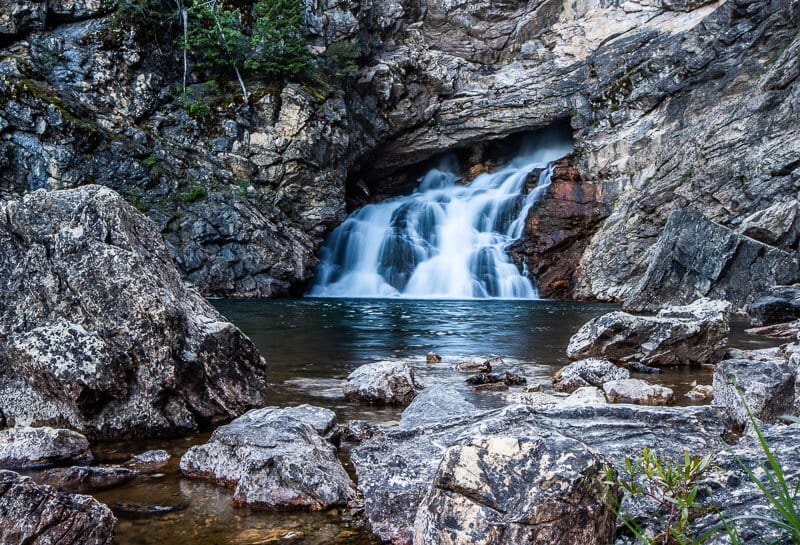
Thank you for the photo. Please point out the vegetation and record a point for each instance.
(192, 194)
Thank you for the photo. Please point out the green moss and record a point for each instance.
(192, 194)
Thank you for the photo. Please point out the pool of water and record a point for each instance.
(311, 345)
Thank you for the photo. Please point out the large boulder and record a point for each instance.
(507, 489)
(390, 382)
(100, 334)
(31, 514)
(695, 257)
(767, 387)
(683, 335)
(276, 459)
(588, 372)
(22, 447)
(778, 305)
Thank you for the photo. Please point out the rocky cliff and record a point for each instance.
(673, 103)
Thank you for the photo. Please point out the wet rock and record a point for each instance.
(695, 257)
(435, 403)
(786, 330)
(683, 335)
(768, 388)
(639, 367)
(433, 357)
(101, 268)
(506, 377)
(638, 392)
(150, 458)
(85, 479)
(276, 459)
(382, 382)
(586, 395)
(137, 510)
(780, 304)
(507, 489)
(474, 365)
(700, 392)
(588, 372)
(358, 430)
(35, 447)
(40, 515)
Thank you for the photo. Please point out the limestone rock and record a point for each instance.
(588, 372)
(681, 335)
(276, 459)
(638, 392)
(22, 447)
(507, 489)
(768, 388)
(110, 342)
(382, 382)
(780, 304)
(40, 515)
(435, 403)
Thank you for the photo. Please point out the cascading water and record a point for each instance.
(446, 240)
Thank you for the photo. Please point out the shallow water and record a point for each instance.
(310, 346)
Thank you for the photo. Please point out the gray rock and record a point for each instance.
(638, 392)
(588, 372)
(695, 257)
(358, 430)
(474, 365)
(700, 392)
(683, 335)
(86, 479)
(150, 459)
(22, 447)
(777, 225)
(507, 489)
(382, 382)
(768, 388)
(586, 395)
(111, 342)
(780, 304)
(276, 459)
(507, 378)
(39, 515)
(434, 403)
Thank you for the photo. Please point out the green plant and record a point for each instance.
(279, 47)
(341, 59)
(192, 194)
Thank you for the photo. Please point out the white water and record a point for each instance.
(446, 240)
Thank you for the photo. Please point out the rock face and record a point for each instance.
(40, 515)
(683, 335)
(588, 372)
(35, 447)
(780, 304)
(382, 382)
(276, 459)
(100, 334)
(506, 490)
(638, 392)
(768, 388)
(695, 258)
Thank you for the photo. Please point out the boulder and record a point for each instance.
(110, 343)
(588, 372)
(780, 304)
(638, 392)
(40, 515)
(683, 335)
(509, 489)
(507, 378)
(586, 395)
(389, 382)
(275, 459)
(435, 403)
(87, 479)
(777, 225)
(768, 388)
(22, 447)
(695, 257)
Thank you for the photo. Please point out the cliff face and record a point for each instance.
(673, 104)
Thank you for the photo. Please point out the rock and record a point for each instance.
(474, 365)
(150, 458)
(395, 467)
(22, 447)
(638, 367)
(700, 392)
(588, 372)
(276, 459)
(777, 225)
(435, 403)
(112, 343)
(137, 510)
(786, 330)
(39, 515)
(768, 388)
(695, 258)
(506, 377)
(382, 382)
(638, 392)
(433, 357)
(684, 335)
(586, 395)
(780, 304)
(85, 479)
(358, 430)
(507, 489)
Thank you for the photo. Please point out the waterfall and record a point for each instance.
(445, 240)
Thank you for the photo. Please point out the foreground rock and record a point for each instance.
(684, 335)
(588, 372)
(638, 392)
(768, 388)
(779, 305)
(433, 404)
(85, 479)
(382, 382)
(396, 467)
(506, 489)
(33, 514)
(276, 459)
(695, 257)
(22, 447)
(110, 343)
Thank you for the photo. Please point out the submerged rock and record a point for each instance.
(768, 389)
(588, 372)
(276, 459)
(638, 392)
(507, 489)
(691, 334)
(435, 403)
(382, 382)
(110, 342)
(39, 515)
(87, 479)
(506, 378)
(22, 447)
